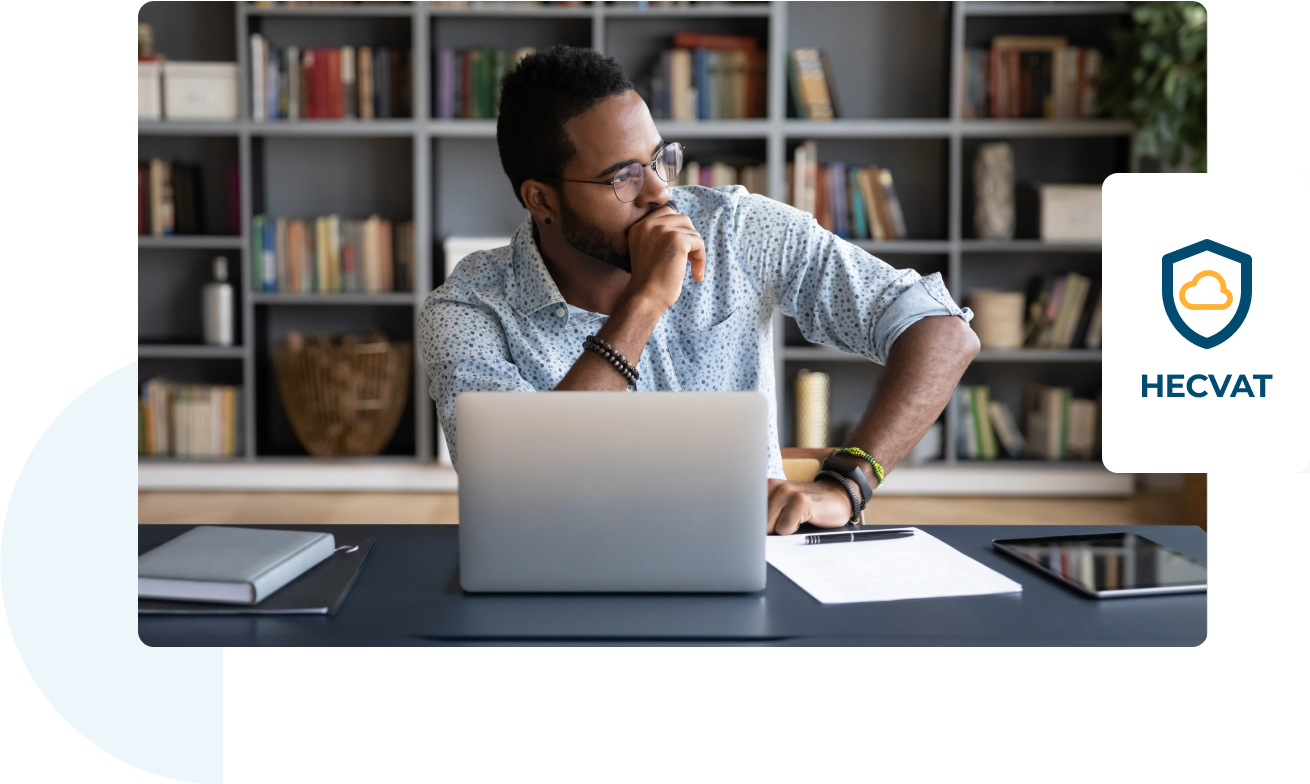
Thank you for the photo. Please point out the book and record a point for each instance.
(161, 197)
(1047, 421)
(894, 213)
(968, 436)
(814, 100)
(228, 564)
(189, 420)
(1007, 431)
(1029, 76)
(321, 590)
(980, 416)
(282, 255)
(258, 79)
(268, 248)
(1082, 427)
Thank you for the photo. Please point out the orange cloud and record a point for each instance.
(1223, 289)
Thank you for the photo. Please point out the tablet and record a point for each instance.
(1105, 566)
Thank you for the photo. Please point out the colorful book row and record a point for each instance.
(328, 255)
(188, 420)
(328, 82)
(850, 201)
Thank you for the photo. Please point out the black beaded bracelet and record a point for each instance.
(620, 362)
(601, 343)
(615, 359)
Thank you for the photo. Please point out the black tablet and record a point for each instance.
(1108, 565)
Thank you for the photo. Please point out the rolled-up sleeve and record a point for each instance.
(840, 295)
(464, 350)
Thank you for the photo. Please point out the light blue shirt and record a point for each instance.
(499, 323)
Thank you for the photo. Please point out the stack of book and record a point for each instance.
(809, 82)
(709, 77)
(987, 426)
(1030, 76)
(850, 201)
(466, 82)
(188, 420)
(328, 255)
(1062, 313)
(1058, 426)
(328, 82)
(169, 198)
(754, 178)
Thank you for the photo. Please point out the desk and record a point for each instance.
(408, 594)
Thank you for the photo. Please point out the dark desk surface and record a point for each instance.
(408, 594)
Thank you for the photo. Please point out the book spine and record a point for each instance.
(257, 253)
(349, 93)
(269, 262)
(293, 82)
(284, 281)
(386, 271)
(257, 77)
(365, 82)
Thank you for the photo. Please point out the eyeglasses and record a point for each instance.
(629, 181)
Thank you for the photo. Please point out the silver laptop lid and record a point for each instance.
(605, 491)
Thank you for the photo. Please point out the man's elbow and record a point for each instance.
(965, 340)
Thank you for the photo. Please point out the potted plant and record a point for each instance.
(1157, 79)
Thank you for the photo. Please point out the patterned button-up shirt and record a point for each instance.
(499, 323)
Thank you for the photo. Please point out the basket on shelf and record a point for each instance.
(344, 396)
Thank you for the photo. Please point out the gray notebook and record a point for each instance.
(228, 565)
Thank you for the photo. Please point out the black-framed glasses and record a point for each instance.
(629, 180)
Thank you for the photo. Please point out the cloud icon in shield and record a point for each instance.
(1206, 291)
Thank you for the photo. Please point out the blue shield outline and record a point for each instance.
(1167, 282)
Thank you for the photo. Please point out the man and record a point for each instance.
(607, 250)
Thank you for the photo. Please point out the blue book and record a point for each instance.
(269, 262)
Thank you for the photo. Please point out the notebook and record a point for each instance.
(320, 591)
(229, 565)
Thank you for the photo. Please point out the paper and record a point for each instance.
(912, 567)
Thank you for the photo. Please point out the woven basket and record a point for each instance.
(344, 396)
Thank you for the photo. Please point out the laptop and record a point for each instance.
(612, 492)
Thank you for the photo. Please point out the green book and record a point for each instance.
(859, 220)
(796, 100)
(257, 253)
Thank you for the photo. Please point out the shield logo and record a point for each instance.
(1207, 291)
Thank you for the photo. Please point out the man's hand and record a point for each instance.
(823, 504)
(659, 247)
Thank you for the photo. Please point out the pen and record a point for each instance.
(858, 536)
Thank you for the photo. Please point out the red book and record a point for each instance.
(336, 92)
(323, 100)
(308, 93)
(688, 40)
(1015, 87)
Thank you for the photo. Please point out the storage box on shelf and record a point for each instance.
(897, 109)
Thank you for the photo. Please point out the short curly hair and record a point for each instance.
(546, 90)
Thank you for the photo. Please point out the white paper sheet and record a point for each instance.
(912, 567)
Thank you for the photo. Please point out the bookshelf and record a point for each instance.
(895, 65)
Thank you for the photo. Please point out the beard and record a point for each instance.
(586, 237)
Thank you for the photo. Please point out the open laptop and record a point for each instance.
(612, 492)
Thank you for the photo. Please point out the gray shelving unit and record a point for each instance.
(896, 72)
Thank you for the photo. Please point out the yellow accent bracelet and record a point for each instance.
(857, 452)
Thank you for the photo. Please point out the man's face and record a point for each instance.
(613, 134)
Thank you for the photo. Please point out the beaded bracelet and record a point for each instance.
(857, 509)
(857, 452)
(620, 362)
